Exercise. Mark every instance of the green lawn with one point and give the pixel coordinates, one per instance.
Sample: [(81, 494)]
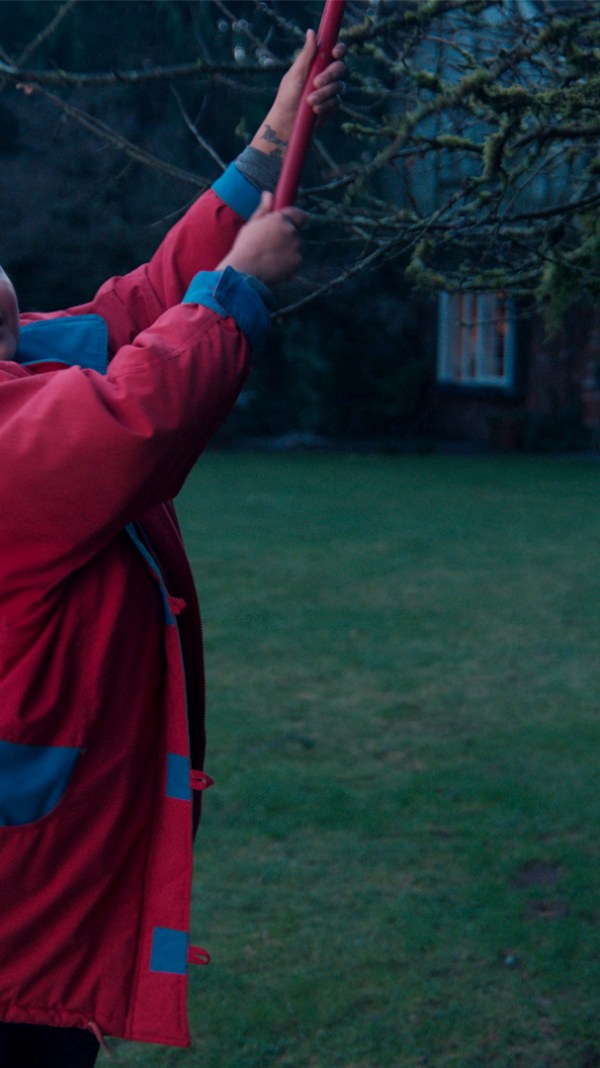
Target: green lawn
[(399, 864)]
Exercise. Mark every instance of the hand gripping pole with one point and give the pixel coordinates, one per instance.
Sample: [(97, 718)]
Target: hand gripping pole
[(289, 179)]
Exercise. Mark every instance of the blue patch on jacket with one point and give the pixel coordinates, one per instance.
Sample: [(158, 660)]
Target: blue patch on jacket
[(75, 340), (178, 777), (33, 778), (169, 951)]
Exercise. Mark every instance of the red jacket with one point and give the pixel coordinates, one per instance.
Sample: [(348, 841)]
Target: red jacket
[(97, 606)]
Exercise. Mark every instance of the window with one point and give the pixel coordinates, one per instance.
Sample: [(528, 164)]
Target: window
[(476, 339)]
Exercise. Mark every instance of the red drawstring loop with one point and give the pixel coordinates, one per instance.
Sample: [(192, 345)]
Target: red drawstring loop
[(199, 780), (177, 605), (197, 955), (93, 1027)]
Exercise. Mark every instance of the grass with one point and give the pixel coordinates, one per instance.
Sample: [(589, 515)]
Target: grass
[(398, 867)]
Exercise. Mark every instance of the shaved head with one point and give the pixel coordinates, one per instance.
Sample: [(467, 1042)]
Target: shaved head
[(9, 318)]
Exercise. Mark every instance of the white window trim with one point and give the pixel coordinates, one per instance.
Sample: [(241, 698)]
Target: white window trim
[(448, 328)]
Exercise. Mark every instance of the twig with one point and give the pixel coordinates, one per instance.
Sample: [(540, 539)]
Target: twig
[(339, 280), (100, 129), (260, 47), (195, 131), (45, 33), (290, 29), (127, 77)]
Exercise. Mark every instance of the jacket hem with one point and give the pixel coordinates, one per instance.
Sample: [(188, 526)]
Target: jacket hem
[(36, 1016)]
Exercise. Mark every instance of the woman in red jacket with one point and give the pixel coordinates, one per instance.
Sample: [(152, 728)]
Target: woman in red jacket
[(104, 409)]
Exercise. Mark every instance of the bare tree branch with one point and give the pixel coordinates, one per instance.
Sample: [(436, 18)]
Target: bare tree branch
[(43, 35), (82, 80), (385, 250), (196, 133), (110, 137), (468, 147)]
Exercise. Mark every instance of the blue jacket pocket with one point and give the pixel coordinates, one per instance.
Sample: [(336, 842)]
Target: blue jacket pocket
[(33, 778)]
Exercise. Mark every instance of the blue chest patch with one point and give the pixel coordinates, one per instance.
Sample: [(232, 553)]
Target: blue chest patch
[(75, 340)]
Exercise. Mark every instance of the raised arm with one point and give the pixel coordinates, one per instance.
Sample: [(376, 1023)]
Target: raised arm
[(85, 453), (204, 237), (273, 134)]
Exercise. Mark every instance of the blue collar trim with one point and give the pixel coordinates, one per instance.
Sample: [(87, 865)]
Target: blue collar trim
[(75, 340)]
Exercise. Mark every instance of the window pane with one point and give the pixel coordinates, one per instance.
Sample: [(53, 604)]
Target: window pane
[(476, 338)]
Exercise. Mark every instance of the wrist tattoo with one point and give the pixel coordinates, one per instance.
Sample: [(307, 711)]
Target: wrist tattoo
[(269, 135)]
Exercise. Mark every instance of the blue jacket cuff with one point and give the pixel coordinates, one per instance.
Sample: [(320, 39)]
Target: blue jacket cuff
[(238, 193), (229, 293)]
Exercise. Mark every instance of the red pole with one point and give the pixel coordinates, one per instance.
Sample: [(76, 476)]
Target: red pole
[(327, 35)]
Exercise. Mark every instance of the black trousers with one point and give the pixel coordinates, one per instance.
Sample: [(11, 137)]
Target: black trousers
[(30, 1046)]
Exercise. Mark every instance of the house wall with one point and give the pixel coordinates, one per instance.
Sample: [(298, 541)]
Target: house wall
[(476, 416), (555, 402)]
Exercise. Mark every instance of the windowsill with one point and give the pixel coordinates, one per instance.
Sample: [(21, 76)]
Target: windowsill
[(477, 390)]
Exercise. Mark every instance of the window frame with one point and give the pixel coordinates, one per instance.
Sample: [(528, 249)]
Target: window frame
[(467, 368)]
